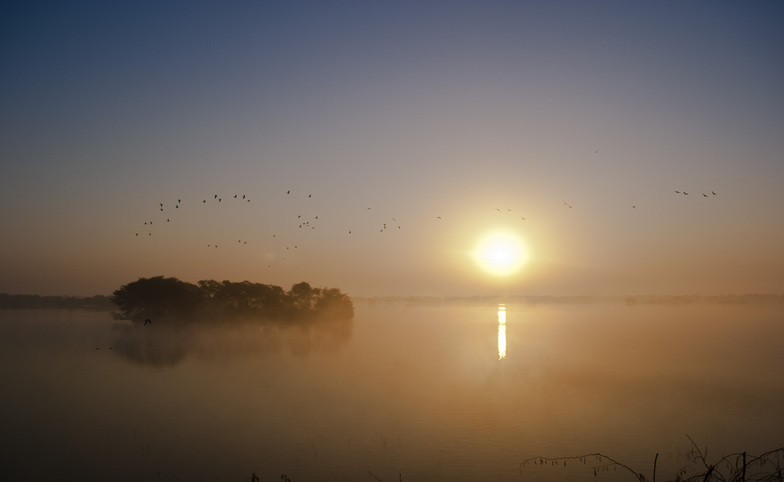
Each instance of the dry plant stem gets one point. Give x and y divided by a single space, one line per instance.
599 456
738 466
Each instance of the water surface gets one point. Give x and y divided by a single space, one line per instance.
440 392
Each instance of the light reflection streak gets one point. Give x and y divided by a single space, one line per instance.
501 331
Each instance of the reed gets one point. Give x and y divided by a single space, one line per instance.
735 467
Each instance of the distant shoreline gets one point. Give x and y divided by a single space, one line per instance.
680 300
26 302
103 302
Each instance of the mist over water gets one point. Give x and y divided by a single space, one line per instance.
426 392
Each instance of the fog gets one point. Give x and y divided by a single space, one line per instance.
418 391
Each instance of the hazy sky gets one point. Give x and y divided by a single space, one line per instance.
480 113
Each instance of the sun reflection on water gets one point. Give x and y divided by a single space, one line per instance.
501 331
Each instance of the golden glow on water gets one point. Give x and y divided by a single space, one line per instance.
501 332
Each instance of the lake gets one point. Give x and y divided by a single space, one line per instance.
441 391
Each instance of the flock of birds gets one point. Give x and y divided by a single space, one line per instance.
302 221
305 222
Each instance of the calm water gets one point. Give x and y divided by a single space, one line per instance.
450 392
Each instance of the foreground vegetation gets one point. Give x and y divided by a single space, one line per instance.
175 301
737 467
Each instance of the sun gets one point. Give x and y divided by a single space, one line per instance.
501 254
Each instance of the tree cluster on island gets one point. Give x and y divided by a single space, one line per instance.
176 301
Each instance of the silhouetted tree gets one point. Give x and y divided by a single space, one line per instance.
331 302
221 301
303 298
156 297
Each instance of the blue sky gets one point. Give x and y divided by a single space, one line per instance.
480 113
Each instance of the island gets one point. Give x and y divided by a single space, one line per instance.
169 300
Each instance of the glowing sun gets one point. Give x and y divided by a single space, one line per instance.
500 254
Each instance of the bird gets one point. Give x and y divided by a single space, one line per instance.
147 322
677 192
713 192
310 195
288 192
216 197
704 195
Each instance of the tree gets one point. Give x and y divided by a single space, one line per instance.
155 297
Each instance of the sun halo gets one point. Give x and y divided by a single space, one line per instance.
500 253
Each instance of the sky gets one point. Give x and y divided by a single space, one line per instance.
372 146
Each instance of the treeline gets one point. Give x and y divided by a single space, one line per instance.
97 302
174 300
745 299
